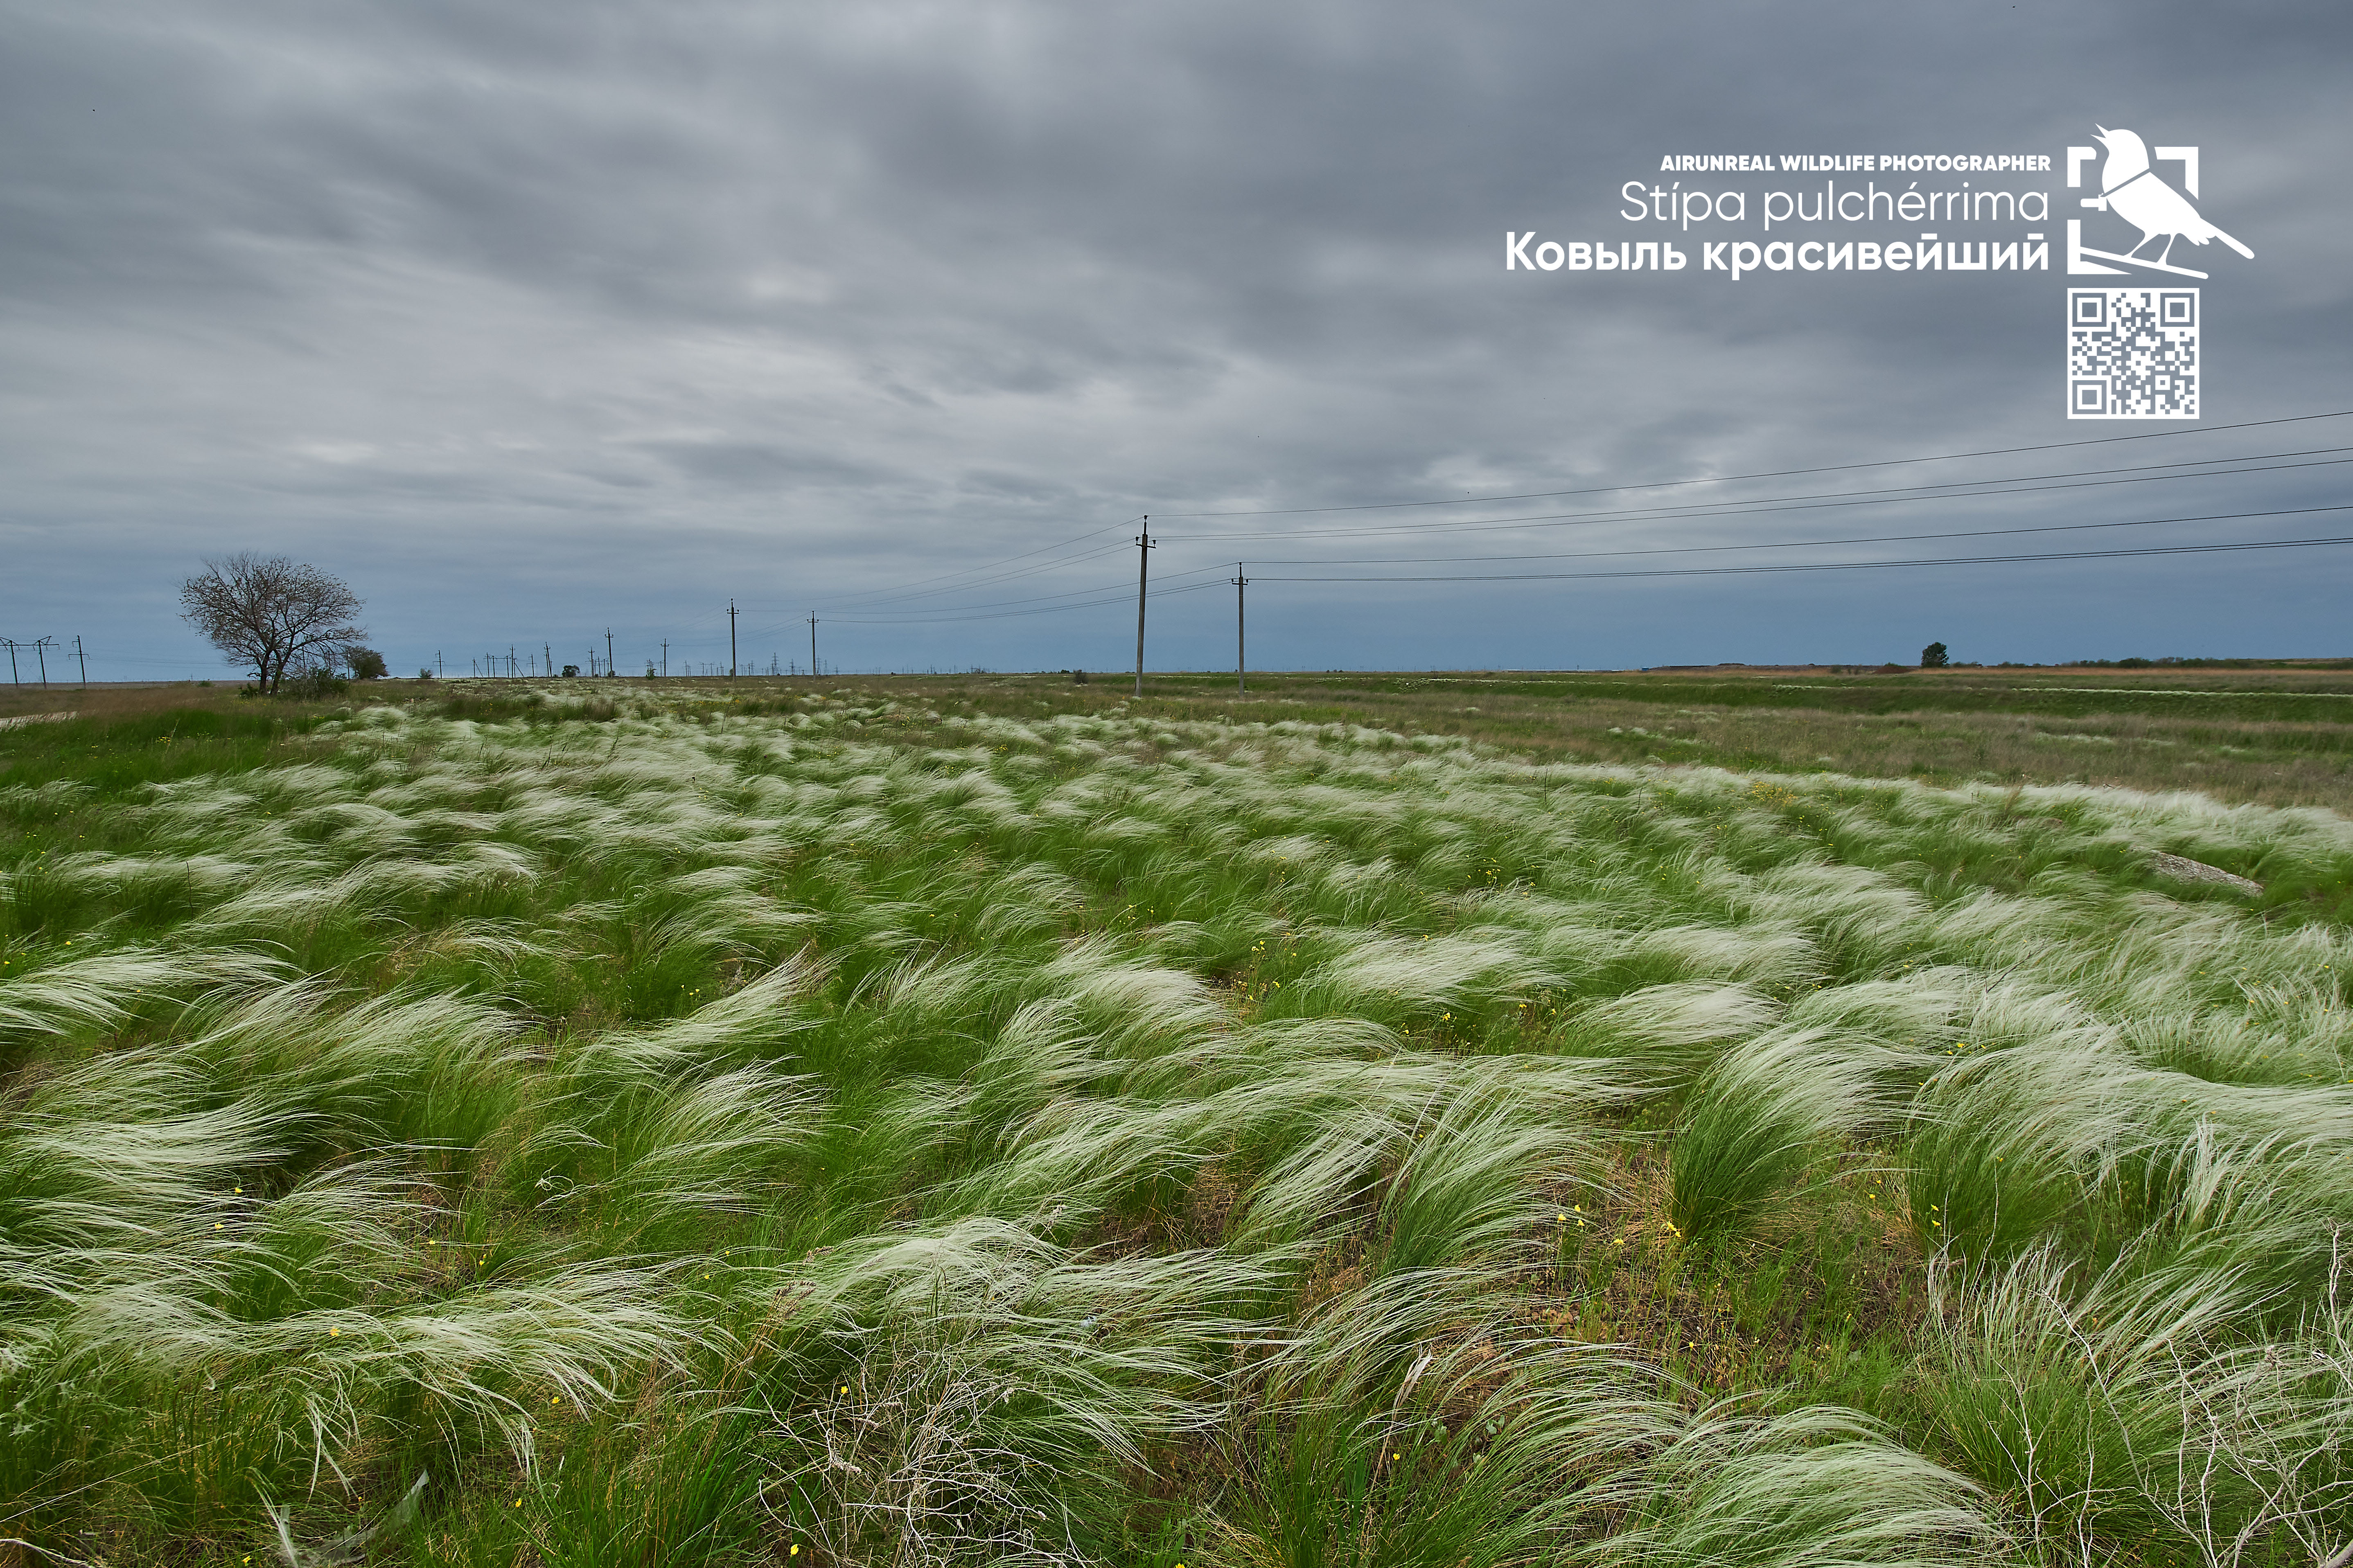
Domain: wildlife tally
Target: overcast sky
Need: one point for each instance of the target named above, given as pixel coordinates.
(531, 321)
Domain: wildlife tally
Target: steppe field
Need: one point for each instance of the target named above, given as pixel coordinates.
(1707, 1117)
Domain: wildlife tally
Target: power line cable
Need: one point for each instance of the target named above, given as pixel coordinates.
(1109, 594)
(886, 597)
(1967, 490)
(1831, 565)
(877, 598)
(917, 616)
(1795, 543)
(979, 576)
(2019, 485)
(1773, 474)
(1123, 595)
(1119, 595)
(1007, 561)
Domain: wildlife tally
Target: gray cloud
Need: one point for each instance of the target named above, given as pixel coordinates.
(526, 318)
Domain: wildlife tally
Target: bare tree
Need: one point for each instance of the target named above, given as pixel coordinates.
(265, 611)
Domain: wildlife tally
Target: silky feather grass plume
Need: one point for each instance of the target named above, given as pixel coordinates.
(1773, 1103)
(1490, 1444)
(983, 1371)
(1810, 1489)
(2008, 1144)
(1396, 1424)
(1319, 1106)
(2124, 1401)
(401, 1068)
(87, 1199)
(100, 991)
(756, 1019)
(1693, 933)
(695, 1115)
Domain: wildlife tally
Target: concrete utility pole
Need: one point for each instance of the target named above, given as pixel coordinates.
(510, 662)
(812, 647)
(1241, 680)
(549, 650)
(437, 671)
(12, 644)
(731, 639)
(39, 653)
(608, 651)
(665, 656)
(1142, 569)
(84, 658)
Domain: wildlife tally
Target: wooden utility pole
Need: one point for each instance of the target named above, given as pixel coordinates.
(731, 639)
(84, 658)
(12, 644)
(608, 651)
(665, 657)
(1241, 663)
(812, 647)
(39, 653)
(549, 650)
(1142, 570)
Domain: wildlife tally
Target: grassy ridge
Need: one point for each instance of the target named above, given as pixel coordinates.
(117, 755)
(2245, 701)
(2276, 737)
(876, 1128)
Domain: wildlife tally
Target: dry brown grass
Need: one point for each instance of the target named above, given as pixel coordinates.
(2012, 729)
(2005, 731)
(132, 699)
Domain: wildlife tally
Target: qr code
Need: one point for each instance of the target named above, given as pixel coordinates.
(2132, 354)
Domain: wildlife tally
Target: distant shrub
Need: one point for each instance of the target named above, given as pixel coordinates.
(313, 685)
(1934, 657)
(367, 664)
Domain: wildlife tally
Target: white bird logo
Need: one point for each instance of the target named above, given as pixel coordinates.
(2135, 193)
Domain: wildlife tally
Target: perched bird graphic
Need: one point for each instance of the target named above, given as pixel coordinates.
(2133, 191)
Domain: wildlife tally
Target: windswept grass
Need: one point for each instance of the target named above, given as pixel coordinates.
(679, 1125)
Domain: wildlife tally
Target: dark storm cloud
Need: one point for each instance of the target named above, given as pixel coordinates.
(630, 307)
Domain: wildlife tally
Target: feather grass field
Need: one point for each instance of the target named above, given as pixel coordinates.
(664, 1127)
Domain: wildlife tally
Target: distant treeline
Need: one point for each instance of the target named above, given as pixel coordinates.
(2200, 664)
